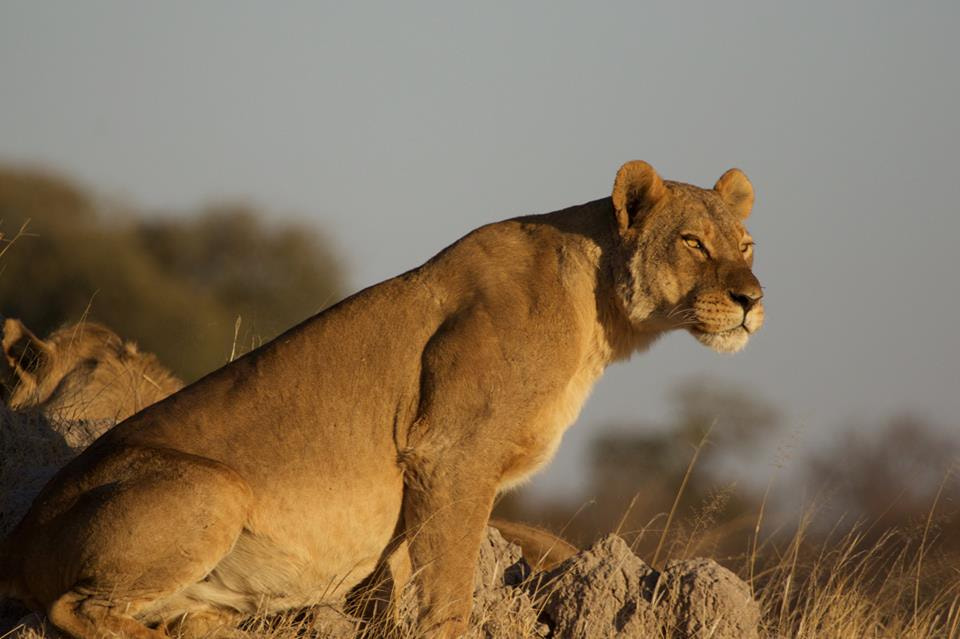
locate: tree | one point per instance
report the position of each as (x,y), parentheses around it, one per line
(175,284)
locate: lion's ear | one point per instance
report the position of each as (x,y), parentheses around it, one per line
(636,189)
(23,350)
(736,190)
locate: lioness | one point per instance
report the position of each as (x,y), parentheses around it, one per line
(82,371)
(280,480)
(67,390)
(84,378)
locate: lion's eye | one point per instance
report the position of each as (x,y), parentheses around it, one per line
(746,247)
(694,243)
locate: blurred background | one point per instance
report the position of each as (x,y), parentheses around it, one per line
(177,166)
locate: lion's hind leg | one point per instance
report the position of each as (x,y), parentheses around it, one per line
(126,549)
(82,616)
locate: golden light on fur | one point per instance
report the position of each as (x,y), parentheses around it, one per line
(736,190)
(637,188)
(283,479)
(82,371)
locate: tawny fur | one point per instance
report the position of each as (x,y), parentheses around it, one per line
(83,371)
(280,479)
(84,378)
(67,390)
(542,549)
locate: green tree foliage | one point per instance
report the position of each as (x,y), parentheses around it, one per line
(175,284)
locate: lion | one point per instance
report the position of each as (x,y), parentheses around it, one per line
(82,380)
(286,477)
(542,549)
(82,372)
(66,391)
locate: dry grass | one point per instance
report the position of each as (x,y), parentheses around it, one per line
(847,587)
(6,243)
(841,588)
(852,582)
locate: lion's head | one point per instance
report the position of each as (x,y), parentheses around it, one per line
(81,372)
(686,257)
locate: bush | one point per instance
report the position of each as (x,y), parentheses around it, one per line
(176,284)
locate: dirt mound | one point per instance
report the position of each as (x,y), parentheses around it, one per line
(604,591)
(33,447)
(607,591)
(502,607)
(701,598)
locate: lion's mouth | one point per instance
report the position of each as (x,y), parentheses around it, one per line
(749,323)
(728,340)
(701,329)
(727,332)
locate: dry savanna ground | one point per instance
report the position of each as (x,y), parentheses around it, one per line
(850,582)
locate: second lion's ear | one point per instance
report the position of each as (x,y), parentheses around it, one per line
(23,350)
(636,189)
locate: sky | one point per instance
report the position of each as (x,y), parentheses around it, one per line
(398,127)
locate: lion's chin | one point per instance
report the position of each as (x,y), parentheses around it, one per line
(730,341)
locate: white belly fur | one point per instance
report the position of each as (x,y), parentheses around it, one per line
(309,558)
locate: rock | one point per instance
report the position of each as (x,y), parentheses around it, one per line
(701,598)
(607,591)
(498,558)
(601,592)
(505,613)
(32,449)
(500,610)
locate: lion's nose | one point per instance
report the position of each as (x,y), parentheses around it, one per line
(747,297)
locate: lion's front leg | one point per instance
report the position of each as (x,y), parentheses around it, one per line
(446,508)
